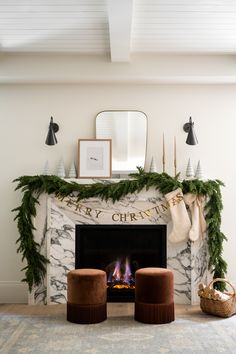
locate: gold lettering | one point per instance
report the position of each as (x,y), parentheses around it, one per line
(98,212)
(157,209)
(78,207)
(164,207)
(59,197)
(179,197)
(174,201)
(132,217)
(140,213)
(69,203)
(123,217)
(113,217)
(147,212)
(88,211)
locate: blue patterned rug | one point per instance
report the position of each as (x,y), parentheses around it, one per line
(196,333)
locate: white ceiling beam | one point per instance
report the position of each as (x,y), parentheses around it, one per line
(120,24)
(19,68)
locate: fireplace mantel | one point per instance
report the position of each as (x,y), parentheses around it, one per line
(55,232)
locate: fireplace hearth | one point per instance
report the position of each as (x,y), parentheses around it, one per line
(187,260)
(120,250)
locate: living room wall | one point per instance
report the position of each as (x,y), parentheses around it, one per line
(25,114)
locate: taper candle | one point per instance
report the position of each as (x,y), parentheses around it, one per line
(163,154)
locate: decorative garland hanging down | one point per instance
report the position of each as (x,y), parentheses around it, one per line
(33,186)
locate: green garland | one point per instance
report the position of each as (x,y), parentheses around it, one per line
(33,186)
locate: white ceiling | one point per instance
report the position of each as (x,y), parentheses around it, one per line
(146,26)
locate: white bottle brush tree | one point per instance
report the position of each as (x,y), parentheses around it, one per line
(61,169)
(189,170)
(72,171)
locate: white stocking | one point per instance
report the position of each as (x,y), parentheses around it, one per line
(179,215)
(198,221)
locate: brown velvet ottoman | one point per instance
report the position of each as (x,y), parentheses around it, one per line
(154,295)
(86,296)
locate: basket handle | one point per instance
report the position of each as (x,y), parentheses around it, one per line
(225,281)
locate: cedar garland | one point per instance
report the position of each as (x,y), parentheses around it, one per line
(33,186)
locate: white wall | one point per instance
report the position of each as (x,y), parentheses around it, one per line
(25,114)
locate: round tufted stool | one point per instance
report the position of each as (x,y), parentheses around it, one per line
(154,293)
(86,296)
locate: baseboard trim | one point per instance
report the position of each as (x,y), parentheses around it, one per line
(13,292)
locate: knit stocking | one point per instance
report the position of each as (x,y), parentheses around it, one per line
(198,221)
(179,215)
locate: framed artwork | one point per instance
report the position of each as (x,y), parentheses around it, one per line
(94,158)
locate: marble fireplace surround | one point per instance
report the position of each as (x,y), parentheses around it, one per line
(55,232)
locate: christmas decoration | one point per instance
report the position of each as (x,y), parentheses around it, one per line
(153,166)
(199,226)
(72,171)
(179,216)
(189,170)
(128,215)
(61,169)
(33,186)
(199,173)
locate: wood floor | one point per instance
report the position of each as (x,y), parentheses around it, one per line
(113,309)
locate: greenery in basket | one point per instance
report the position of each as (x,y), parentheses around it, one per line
(33,186)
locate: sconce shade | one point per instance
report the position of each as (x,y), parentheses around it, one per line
(51,137)
(189,128)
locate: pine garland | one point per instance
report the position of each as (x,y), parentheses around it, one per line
(33,186)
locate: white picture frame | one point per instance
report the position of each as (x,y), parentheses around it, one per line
(94,158)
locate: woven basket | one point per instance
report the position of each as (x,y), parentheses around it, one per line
(219,308)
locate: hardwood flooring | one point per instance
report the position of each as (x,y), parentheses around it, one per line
(113,309)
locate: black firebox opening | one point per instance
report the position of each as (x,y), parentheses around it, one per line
(120,250)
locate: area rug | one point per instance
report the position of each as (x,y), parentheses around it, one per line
(196,333)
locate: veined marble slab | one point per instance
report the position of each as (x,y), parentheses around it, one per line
(187,260)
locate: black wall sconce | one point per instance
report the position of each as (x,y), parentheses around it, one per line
(51,137)
(189,128)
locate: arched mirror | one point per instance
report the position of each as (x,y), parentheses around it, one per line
(128,131)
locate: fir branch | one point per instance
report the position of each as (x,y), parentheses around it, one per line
(33,186)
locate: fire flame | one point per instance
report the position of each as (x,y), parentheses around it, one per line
(121,277)
(117,272)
